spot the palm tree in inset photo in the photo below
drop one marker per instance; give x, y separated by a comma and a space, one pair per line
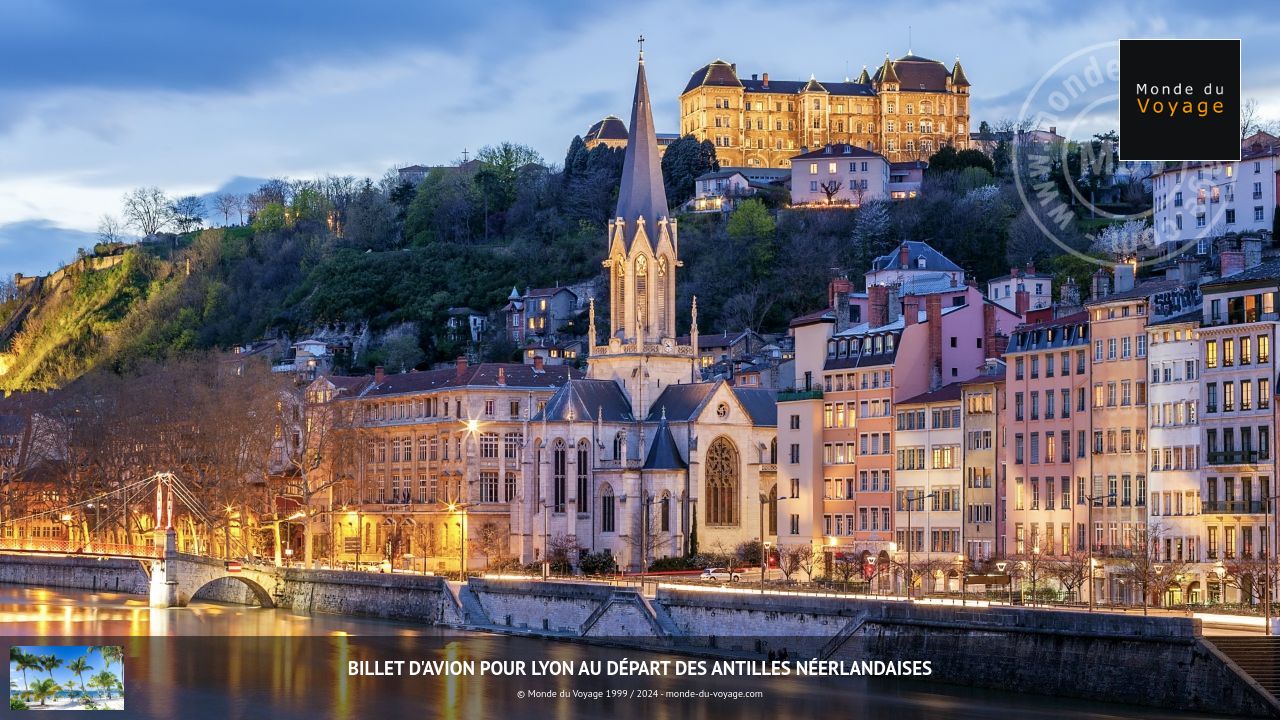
80, 666
44, 689
111, 654
105, 680
50, 663
25, 661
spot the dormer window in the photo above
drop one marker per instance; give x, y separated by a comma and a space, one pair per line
879, 345
920, 262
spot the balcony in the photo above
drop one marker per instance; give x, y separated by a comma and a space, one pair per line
1234, 457
1231, 507
796, 395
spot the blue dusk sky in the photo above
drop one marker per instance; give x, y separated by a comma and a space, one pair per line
196, 97
61, 675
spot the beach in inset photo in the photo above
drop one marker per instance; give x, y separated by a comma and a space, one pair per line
66, 677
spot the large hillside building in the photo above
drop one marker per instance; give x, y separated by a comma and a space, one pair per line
907, 110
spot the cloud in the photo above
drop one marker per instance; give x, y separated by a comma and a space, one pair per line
33, 247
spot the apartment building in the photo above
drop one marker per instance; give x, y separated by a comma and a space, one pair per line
929, 484
1237, 337
1046, 431
982, 407
1173, 419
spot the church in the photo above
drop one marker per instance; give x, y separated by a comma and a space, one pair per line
641, 458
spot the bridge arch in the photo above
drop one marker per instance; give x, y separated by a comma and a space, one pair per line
259, 592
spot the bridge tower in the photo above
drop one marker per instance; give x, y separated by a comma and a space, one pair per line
164, 581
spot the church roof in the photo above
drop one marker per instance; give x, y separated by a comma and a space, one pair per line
664, 454
761, 404
583, 400
681, 402
913, 72
642, 193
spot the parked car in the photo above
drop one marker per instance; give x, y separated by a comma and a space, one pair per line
720, 575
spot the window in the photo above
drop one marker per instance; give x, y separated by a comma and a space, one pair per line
489, 487
607, 520
558, 463
722, 483
488, 446
584, 459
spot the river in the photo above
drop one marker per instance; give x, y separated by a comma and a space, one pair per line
213, 660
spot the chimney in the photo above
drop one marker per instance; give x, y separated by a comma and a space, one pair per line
1031, 267
1230, 262
378, 374
877, 305
1100, 285
933, 315
1053, 129
1189, 270
1123, 278
1252, 249
910, 310
502, 376
837, 287
842, 311
893, 304
1014, 272
1070, 294
989, 330
755, 76
538, 363
904, 256
1021, 302
461, 365
766, 81
735, 67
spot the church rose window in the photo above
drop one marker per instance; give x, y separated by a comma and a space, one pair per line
722, 483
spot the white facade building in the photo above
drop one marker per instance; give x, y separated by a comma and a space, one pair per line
1196, 202
839, 175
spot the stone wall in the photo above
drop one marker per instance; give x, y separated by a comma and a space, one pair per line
530, 604
414, 598
83, 573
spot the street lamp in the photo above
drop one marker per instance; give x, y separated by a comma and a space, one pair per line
764, 546
462, 567
1008, 580
911, 499
1159, 571
1089, 531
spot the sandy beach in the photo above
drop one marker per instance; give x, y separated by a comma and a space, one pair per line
116, 703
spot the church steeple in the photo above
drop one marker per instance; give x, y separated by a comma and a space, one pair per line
642, 193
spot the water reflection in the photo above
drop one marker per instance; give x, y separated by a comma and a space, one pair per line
228, 661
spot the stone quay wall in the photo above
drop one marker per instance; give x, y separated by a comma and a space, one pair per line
81, 573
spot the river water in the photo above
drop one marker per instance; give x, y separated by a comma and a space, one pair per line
221, 661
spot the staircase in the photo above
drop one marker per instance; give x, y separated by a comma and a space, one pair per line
663, 617
472, 611
839, 638
1257, 656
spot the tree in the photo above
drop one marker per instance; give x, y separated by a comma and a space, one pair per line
110, 230
50, 663
228, 204
24, 661
1252, 121
79, 666
684, 160
491, 541
561, 552
148, 210
792, 558
1071, 571
188, 213
371, 220
831, 188
105, 680
1124, 240
1140, 562
754, 233
872, 235
44, 689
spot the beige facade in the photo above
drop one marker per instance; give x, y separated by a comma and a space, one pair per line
982, 404
907, 110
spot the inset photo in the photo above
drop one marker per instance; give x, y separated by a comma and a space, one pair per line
66, 677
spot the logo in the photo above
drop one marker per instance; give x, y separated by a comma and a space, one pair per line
1180, 100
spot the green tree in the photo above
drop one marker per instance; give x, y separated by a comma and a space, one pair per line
105, 680
753, 231
50, 663
271, 218
24, 661
44, 689
682, 163
80, 666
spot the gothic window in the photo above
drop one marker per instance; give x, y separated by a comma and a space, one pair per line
583, 461
664, 284
558, 476
642, 296
606, 509
619, 445
664, 513
722, 483
773, 510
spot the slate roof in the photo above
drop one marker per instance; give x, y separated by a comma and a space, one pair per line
839, 150
664, 454
610, 128
933, 260
585, 399
914, 72
1140, 290
945, 393
681, 402
1269, 270
721, 74
516, 375
1193, 314
760, 404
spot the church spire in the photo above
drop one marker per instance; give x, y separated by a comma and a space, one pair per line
642, 193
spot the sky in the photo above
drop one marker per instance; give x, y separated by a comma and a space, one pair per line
98, 98
61, 675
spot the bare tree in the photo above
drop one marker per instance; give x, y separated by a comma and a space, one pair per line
490, 540
1071, 571
1140, 563
148, 210
188, 213
227, 204
791, 558
831, 188
110, 229
317, 446
1252, 121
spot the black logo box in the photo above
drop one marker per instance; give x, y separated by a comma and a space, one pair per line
1187, 68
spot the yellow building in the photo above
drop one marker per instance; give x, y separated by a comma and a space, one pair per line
906, 111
